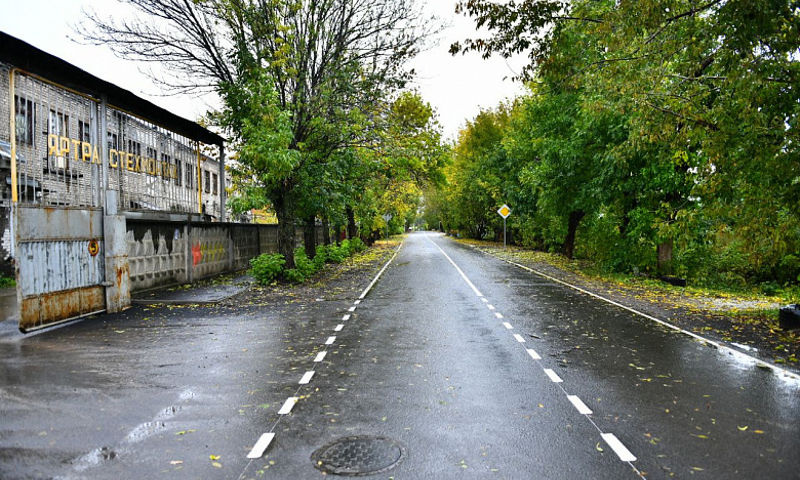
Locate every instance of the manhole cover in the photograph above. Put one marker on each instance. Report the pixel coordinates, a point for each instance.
(359, 455)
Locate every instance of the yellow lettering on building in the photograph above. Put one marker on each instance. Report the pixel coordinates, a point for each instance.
(86, 152)
(52, 144)
(62, 146)
(64, 141)
(76, 147)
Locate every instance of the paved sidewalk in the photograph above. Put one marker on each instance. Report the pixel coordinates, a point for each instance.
(205, 292)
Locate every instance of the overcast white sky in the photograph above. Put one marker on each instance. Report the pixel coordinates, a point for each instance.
(458, 87)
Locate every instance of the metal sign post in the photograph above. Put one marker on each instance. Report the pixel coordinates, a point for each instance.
(387, 218)
(504, 212)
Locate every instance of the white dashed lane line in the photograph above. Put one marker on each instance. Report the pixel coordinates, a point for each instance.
(338, 328)
(306, 377)
(265, 439)
(261, 445)
(579, 405)
(552, 375)
(622, 452)
(287, 406)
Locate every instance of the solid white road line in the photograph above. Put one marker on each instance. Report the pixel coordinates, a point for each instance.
(346, 318)
(623, 453)
(375, 280)
(484, 300)
(461, 272)
(533, 354)
(519, 338)
(498, 314)
(261, 445)
(338, 328)
(330, 340)
(553, 375)
(579, 405)
(320, 356)
(287, 406)
(507, 325)
(697, 337)
(306, 377)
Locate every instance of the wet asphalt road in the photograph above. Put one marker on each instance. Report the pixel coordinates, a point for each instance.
(427, 359)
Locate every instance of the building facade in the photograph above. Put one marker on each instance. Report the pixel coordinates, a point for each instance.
(80, 158)
(69, 151)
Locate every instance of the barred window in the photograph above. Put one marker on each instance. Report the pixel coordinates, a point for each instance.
(24, 119)
(84, 131)
(207, 181)
(215, 183)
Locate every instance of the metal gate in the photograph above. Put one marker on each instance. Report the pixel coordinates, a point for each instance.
(61, 267)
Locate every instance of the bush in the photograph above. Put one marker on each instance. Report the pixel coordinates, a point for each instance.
(321, 257)
(294, 275)
(357, 246)
(337, 254)
(304, 265)
(266, 267)
(7, 282)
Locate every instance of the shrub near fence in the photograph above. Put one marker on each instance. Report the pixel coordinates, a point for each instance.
(268, 267)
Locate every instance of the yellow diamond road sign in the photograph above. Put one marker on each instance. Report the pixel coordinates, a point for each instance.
(504, 211)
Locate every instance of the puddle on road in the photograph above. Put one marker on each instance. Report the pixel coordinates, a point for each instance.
(139, 433)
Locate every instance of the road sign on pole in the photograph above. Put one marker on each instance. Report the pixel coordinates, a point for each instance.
(504, 212)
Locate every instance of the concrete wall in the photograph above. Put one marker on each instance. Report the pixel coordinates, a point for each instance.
(164, 253)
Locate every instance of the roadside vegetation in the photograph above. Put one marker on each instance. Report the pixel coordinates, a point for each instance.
(268, 268)
(656, 139)
(7, 282)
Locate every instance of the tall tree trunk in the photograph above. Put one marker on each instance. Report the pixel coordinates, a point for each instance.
(352, 229)
(664, 251)
(286, 234)
(337, 233)
(326, 231)
(575, 218)
(310, 236)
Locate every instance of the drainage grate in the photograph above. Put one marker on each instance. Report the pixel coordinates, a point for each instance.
(358, 455)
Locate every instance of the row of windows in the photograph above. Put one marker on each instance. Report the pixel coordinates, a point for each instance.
(58, 124)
